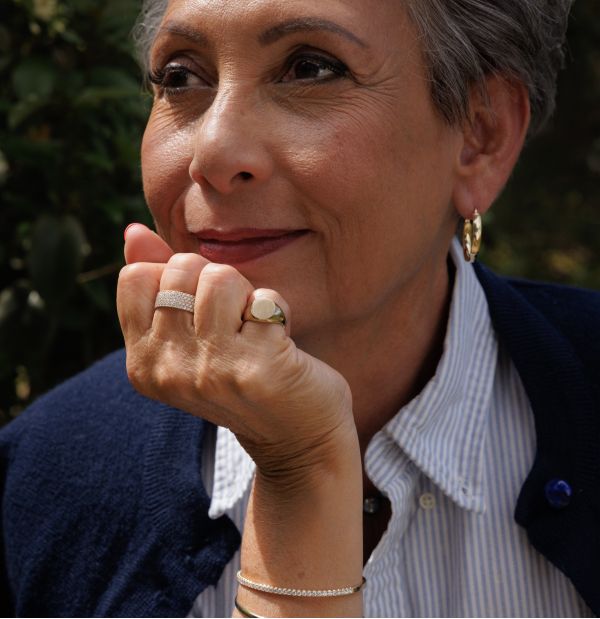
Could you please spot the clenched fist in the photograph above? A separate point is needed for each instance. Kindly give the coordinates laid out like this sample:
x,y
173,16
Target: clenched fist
x,y
290,411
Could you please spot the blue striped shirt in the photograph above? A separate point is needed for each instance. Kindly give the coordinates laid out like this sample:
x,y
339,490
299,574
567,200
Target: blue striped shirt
x,y
451,462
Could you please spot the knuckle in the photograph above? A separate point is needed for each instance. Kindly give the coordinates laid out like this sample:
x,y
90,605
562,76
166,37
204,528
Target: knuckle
x,y
243,382
251,379
205,383
267,292
168,371
137,374
153,372
162,380
220,273
185,262
133,272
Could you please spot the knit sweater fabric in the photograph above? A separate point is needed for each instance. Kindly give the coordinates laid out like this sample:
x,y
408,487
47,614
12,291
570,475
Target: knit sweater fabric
x,y
104,512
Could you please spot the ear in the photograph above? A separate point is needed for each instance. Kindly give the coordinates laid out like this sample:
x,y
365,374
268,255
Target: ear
x,y
493,138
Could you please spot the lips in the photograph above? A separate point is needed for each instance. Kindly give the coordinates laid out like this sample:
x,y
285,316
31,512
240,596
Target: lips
x,y
243,245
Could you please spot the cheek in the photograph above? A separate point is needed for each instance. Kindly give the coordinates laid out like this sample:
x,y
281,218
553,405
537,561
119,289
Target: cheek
x,y
165,157
363,174
380,191
366,156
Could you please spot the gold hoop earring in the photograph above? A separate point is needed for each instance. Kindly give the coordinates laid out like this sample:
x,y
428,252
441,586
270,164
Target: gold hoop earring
x,y
471,237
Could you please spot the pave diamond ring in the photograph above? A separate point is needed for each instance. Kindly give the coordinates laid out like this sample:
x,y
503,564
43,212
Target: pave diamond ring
x,y
176,300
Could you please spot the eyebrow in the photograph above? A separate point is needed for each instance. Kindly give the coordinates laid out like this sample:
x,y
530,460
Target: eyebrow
x,y
271,35
306,24
188,32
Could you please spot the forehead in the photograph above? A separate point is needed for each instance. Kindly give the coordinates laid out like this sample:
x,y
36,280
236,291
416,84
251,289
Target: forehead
x,y
381,22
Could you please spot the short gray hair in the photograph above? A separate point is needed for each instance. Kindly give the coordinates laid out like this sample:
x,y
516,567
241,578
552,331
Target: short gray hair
x,y
146,28
463,41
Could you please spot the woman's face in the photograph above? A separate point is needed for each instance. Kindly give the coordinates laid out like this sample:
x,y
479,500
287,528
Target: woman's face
x,y
297,141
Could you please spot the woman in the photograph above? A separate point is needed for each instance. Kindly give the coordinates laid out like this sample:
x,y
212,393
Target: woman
x,y
382,405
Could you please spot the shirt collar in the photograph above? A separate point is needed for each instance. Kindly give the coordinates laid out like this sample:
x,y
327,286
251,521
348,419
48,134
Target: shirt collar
x,y
453,405
233,472
443,430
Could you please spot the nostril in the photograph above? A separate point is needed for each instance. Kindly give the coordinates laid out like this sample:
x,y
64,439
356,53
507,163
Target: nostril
x,y
245,176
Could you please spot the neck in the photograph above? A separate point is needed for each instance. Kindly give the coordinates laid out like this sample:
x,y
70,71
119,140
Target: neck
x,y
388,358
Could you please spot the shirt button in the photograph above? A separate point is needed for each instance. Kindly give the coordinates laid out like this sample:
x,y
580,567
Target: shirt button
x,y
558,493
427,501
371,504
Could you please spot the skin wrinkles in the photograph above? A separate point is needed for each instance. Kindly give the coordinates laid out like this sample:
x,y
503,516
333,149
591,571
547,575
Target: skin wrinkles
x,y
367,166
178,121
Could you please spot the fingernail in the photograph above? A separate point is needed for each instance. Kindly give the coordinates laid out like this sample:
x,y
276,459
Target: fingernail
x,y
127,229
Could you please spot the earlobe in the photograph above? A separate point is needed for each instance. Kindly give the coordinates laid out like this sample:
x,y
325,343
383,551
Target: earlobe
x,y
493,138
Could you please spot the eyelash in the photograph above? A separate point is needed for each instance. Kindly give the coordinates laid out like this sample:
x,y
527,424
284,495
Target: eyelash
x,y
339,69
160,77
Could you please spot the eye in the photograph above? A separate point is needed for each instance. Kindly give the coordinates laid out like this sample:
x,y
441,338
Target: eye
x,y
314,68
174,78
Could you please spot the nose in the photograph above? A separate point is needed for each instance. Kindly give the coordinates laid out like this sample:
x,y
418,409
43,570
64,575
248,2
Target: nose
x,y
229,145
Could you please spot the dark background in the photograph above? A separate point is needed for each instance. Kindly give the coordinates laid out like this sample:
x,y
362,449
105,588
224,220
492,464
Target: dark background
x,y
72,111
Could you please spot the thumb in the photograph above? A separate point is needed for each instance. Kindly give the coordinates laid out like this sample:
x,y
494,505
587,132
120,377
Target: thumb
x,y
144,245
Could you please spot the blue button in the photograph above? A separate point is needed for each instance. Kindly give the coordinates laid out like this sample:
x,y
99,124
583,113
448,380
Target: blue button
x,y
558,493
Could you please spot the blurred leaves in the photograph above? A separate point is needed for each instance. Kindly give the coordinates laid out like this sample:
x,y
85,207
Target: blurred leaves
x,y
34,79
57,250
546,225
72,113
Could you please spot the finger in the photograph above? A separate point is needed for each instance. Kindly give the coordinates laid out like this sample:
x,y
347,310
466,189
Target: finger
x,y
181,273
144,245
221,298
136,292
259,330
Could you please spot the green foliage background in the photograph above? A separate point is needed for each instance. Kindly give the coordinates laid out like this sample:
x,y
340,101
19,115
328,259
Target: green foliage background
x,y
72,112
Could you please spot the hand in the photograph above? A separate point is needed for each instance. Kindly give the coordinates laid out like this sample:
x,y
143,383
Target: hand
x,y
289,410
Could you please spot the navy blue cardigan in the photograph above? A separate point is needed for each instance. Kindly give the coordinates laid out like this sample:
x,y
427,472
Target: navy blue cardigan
x,y
104,512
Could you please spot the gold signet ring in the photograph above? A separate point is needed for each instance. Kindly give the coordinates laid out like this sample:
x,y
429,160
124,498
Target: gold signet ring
x,y
266,310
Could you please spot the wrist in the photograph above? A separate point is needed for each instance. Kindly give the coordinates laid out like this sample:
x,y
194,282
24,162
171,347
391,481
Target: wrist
x,y
306,535
309,466
314,512
303,528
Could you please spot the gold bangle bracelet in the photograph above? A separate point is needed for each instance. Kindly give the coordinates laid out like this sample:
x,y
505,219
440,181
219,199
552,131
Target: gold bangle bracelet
x,y
321,593
245,612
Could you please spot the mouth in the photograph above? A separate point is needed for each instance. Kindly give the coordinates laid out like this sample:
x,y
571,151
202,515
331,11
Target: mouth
x,y
242,245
